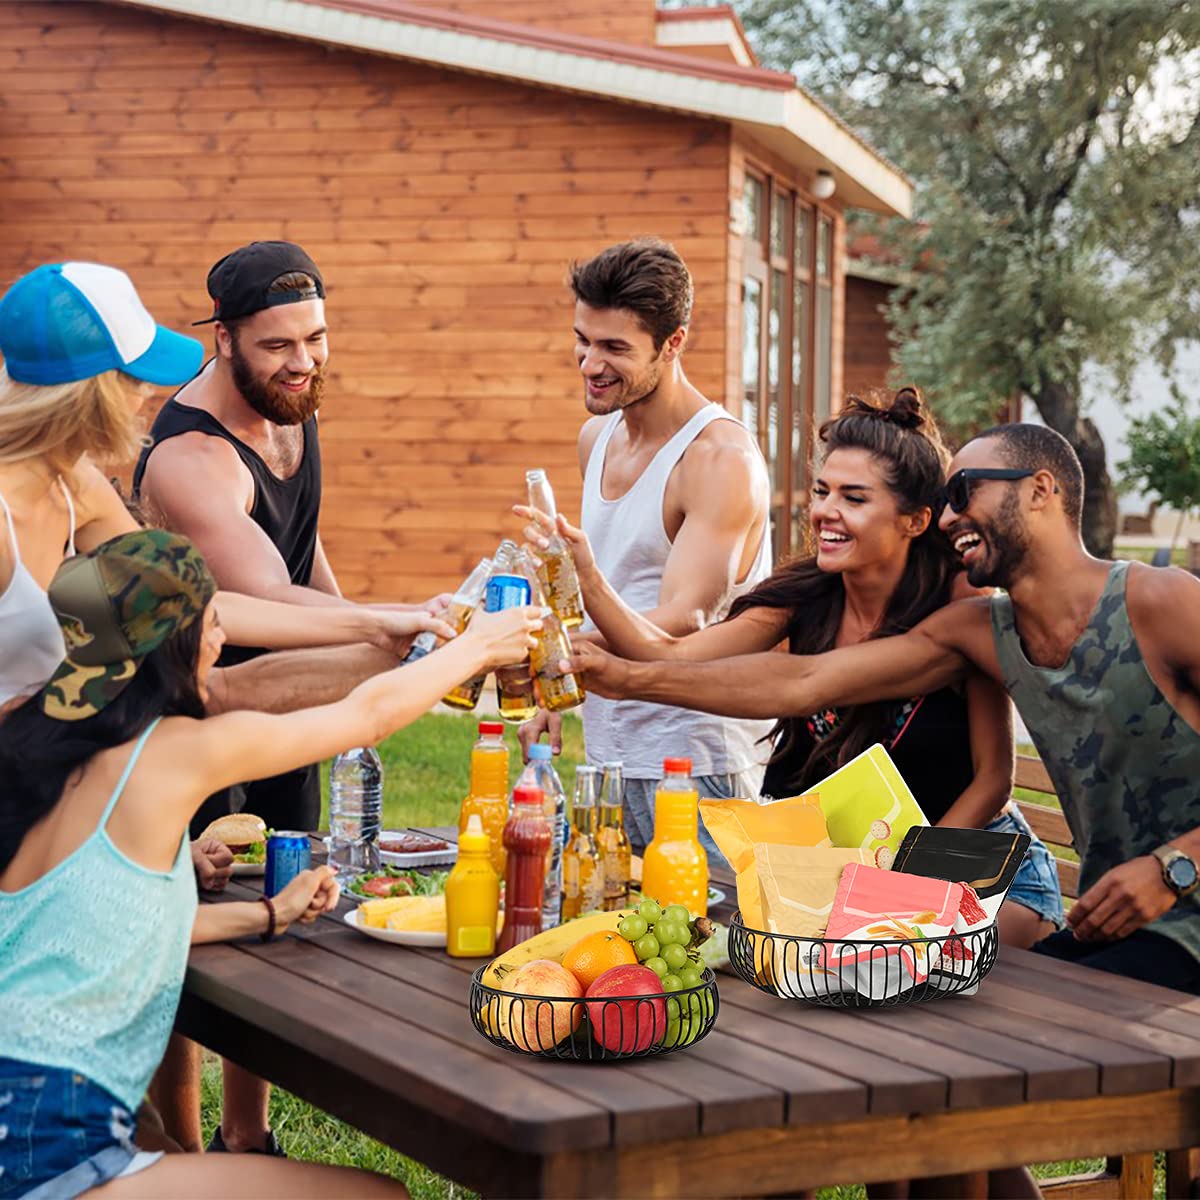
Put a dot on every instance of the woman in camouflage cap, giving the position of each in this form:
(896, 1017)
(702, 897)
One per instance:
(103, 769)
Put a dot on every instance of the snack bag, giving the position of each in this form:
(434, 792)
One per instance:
(738, 825)
(892, 911)
(797, 885)
(867, 805)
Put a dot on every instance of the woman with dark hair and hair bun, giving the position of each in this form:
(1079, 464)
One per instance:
(879, 566)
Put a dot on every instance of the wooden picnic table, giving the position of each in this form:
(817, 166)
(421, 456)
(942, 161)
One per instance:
(1049, 1061)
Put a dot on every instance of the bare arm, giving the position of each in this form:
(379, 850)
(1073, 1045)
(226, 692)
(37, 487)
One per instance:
(323, 578)
(989, 713)
(304, 899)
(201, 489)
(933, 655)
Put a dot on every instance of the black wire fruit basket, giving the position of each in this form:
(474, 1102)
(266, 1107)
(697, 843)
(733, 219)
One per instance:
(861, 974)
(608, 1029)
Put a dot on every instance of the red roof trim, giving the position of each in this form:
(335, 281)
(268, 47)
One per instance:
(544, 39)
(676, 16)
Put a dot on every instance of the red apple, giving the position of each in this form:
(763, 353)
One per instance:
(535, 1024)
(627, 1025)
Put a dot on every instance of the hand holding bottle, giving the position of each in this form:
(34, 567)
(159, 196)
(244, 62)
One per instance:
(539, 527)
(504, 637)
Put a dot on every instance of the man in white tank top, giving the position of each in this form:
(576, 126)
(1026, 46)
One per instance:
(677, 507)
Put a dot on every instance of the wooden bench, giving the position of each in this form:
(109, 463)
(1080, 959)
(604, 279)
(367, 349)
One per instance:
(1130, 1176)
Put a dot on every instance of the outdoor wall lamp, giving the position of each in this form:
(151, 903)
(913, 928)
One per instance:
(824, 185)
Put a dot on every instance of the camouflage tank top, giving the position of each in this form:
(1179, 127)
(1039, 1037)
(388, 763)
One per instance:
(1125, 764)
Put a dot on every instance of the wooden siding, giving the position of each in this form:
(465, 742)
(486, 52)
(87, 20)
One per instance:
(442, 208)
(615, 20)
(867, 357)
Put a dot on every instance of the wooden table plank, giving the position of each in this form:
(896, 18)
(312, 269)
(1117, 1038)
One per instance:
(392, 1052)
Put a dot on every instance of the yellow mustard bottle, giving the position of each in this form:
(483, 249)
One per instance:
(675, 866)
(472, 896)
(488, 793)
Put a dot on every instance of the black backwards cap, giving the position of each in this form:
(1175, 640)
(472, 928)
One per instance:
(240, 283)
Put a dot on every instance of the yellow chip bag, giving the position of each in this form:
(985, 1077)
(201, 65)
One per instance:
(738, 825)
(799, 883)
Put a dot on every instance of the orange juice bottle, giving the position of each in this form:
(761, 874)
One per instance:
(472, 896)
(675, 867)
(488, 793)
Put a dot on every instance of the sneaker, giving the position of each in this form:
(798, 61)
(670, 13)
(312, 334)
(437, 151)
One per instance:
(273, 1148)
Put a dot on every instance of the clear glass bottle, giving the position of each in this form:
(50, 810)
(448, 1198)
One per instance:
(462, 607)
(675, 866)
(583, 866)
(559, 690)
(355, 812)
(487, 797)
(612, 839)
(560, 581)
(539, 772)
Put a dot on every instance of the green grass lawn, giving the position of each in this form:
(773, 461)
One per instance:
(426, 774)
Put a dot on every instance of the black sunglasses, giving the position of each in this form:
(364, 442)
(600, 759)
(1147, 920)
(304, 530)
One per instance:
(957, 492)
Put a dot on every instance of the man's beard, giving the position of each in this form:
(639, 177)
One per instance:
(1007, 542)
(630, 392)
(272, 401)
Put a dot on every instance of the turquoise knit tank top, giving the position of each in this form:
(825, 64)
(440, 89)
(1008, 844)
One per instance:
(1125, 764)
(92, 957)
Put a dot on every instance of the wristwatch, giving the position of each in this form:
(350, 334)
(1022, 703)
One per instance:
(1178, 870)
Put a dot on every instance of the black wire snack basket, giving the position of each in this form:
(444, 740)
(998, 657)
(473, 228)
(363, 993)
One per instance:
(576, 1029)
(861, 974)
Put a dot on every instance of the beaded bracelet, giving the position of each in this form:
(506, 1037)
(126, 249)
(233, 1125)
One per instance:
(270, 930)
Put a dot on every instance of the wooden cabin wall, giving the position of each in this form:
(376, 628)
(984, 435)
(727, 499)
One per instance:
(442, 208)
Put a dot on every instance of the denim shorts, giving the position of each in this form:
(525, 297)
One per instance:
(1036, 883)
(639, 807)
(60, 1134)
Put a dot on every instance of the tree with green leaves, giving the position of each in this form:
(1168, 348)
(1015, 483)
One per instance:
(1056, 145)
(1164, 460)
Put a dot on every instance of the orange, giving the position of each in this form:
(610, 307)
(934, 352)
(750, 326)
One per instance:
(591, 956)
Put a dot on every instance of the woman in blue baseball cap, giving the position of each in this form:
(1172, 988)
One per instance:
(81, 356)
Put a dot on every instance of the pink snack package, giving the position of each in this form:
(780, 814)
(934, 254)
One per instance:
(891, 909)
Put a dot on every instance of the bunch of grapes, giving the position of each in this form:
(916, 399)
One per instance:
(667, 941)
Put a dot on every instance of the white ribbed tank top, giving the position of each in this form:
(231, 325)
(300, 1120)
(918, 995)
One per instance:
(631, 548)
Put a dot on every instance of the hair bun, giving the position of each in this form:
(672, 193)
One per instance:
(907, 409)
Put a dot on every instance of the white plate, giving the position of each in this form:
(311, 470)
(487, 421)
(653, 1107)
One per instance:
(715, 895)
(249, 868)
(425, 858)
(398, 937)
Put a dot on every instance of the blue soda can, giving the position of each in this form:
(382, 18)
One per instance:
(507, 591)
(288, 854)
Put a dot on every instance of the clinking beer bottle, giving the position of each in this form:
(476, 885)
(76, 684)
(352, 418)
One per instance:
(612, 838)
(462, 607)
(466, 695)
(560, 583)
(514, 684)
(558, 689)
(583, 865)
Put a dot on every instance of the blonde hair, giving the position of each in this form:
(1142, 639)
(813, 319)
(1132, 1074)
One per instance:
(60, 422)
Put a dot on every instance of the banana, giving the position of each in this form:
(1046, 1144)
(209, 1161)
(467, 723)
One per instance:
(551, 944)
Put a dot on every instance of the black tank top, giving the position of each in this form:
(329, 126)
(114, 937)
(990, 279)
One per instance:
(286, 510)
(929, 740)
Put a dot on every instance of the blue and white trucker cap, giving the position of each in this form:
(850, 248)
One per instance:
(69, 321)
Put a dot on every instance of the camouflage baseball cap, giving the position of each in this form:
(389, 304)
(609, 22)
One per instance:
(115, 605)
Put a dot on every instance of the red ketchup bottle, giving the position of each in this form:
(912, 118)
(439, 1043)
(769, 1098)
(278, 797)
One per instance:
(527, 838)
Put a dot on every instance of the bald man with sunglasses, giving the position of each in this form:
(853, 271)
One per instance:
(1101, 659)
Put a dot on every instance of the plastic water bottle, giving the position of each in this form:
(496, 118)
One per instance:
(355, 812)
(540, 773)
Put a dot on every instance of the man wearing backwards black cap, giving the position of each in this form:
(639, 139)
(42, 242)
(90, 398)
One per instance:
(235, 465)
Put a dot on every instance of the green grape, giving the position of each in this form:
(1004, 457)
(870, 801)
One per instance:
(633, 927)
(646, 947)
(674, 1011)
(671, 983)
(672, 933)
(677, 912)
(671, 1038)
(657, 965)
(675, 956)
(649, 911)
(689, 976)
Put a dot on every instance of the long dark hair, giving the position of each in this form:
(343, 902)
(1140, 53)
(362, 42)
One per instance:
(39, 754)
(901, 435)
